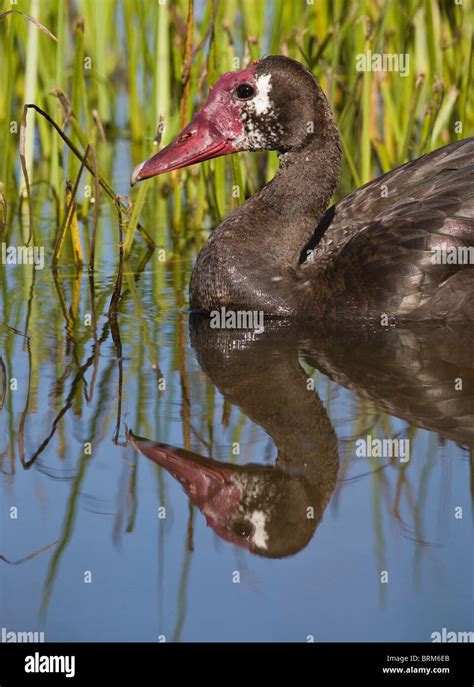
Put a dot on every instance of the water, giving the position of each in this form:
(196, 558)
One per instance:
(120, 569)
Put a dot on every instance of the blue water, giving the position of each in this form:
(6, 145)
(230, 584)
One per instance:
(145, 583)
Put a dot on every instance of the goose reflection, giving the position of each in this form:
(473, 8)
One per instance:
(424, 375)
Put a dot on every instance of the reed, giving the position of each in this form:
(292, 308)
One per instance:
(127, 64)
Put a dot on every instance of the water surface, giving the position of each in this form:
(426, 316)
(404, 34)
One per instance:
(89, 556)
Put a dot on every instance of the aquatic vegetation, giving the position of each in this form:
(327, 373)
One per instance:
(396, 76)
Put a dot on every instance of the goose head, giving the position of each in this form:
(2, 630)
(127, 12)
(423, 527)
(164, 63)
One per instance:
(275, 104)
(259, 508)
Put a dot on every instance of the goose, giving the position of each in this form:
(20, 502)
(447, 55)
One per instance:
(400, 248)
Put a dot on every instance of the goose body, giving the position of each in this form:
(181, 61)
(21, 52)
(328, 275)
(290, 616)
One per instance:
(401, 246)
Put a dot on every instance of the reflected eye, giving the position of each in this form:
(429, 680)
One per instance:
(242, 529)
(244, 91)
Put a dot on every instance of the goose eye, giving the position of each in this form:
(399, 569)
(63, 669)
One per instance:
(244, 91)
(242, 529)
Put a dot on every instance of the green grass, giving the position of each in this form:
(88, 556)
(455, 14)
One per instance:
(160, 62)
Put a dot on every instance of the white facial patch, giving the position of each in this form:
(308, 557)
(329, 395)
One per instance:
(262, 102)
(260, 120)
(260, 535)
